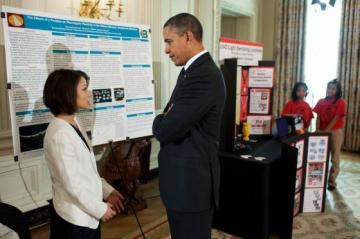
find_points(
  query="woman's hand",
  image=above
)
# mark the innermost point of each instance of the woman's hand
(109, 213)
(116, 199)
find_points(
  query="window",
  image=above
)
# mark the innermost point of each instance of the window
(321, 49)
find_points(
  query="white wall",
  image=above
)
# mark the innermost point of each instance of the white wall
(240, 19)
(253, 20)
(267, 15)
(239, 7)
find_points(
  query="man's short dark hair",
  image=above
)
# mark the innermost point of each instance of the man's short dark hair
(59, 93)
(184, 22)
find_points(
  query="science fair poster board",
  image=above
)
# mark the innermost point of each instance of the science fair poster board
(248, 53)
(316, 172)
(312, 170)
(116, 56)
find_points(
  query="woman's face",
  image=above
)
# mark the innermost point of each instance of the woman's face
(83, 95)
(331, 90)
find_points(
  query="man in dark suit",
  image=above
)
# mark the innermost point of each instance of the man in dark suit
(188, 132)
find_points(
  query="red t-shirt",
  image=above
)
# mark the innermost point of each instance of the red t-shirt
(299, 107)
(327, 109)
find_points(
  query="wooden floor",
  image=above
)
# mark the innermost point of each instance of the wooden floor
(121, 225)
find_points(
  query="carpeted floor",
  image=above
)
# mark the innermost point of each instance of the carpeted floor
(341, 219)
(159, 229)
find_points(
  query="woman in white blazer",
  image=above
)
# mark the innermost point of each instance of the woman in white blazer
(78, 190)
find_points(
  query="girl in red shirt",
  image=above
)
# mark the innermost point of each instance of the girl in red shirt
(297, 104)
(331, 113)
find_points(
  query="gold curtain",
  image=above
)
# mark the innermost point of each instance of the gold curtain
(290, 47)
(349, 71)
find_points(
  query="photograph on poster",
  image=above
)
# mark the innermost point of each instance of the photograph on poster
(119, 94)
(297, 203)
(298, 182)
(315, 176)
(313, 199)
(32, 136)
(259, 101)
(300, 157)
(261, 77)
(102, 95)
(317, 148)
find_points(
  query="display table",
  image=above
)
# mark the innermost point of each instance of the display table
(257, 197)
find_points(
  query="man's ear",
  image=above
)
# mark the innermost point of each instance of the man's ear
(189, 36)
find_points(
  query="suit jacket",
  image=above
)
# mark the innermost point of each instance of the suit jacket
(189, 171)
(78, 190)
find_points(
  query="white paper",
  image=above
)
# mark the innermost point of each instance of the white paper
(300, 157)
(315, 174)
(247, 53)
(259, 125)
(261, 77)
(313, 198)
(317, 148)
(298, 181)
(259, 101)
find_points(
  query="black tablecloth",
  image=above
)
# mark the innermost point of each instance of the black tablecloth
(257, 197)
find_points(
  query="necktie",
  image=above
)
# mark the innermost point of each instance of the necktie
(181, 75)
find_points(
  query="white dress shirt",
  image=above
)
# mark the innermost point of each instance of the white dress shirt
(78, 190)
(192, 59)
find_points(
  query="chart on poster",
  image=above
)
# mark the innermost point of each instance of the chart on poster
(116, 56)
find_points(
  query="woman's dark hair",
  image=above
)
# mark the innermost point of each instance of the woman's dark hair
(59, 93)
(295, 89)
(335, 82)
(184, 22)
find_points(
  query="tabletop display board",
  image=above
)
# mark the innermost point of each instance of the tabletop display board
(244, 103)
(312, 171)
(316, 173)
(259, 82)
(116, 56)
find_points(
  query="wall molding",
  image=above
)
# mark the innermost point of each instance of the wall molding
(5, 134)
(25, 184)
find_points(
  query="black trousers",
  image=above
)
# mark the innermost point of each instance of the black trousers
(14, 219)
(61, 229)
(190, 225)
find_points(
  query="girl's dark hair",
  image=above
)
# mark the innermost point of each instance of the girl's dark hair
(335, 82)
(59, 93)
(296, 87)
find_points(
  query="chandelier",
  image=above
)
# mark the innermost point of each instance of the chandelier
(97, 9)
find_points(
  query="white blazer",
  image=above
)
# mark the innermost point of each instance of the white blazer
(78, 190)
